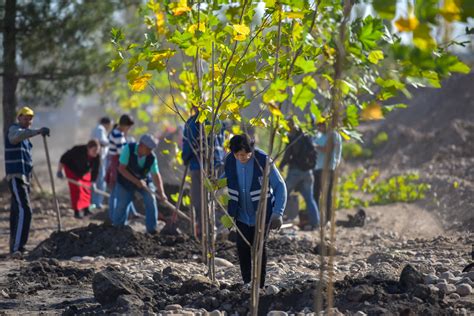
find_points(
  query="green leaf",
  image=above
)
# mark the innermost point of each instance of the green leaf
(460, 67)
(143, 116)
(389, 108)
(426, 10)
(305, 65)
(375, 56)
(385, 8)
(370, 32)
(302, 95)
(352, 117)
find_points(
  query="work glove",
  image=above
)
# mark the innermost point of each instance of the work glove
(44, 131)
(60, 174)
(227, 221)
(276, 221)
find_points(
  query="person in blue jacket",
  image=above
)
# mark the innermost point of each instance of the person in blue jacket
(18, 169)
(190, 155)
(244, 173)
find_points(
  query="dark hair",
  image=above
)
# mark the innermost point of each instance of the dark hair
(93, 143)
(105, 120)
(242, 141)
(126, 120)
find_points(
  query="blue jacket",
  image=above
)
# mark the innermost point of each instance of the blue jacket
(18, 159)
(244, 183)
(191, 145)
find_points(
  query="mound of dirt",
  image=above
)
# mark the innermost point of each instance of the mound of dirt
(109, 241)
(434, 136)
(45, 274)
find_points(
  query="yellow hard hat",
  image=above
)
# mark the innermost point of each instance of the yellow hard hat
(25, 111)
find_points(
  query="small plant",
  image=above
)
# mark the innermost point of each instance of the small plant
(380, 138)
(359, 190)
(354, 150)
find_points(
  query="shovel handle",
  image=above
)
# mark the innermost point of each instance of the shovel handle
(56, 204)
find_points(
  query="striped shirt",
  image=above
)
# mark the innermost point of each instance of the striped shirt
(117, 140)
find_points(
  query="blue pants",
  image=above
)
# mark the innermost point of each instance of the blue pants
(125, 197)
(97, 199)
(303, 181)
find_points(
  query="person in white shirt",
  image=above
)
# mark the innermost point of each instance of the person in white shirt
(100, 133)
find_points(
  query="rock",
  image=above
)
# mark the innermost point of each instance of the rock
(173, 307)
(220, 262)
(446, 288)
(109, 284)
(360, 313)
(454, 280)
(431, 279)
(360, 293)
(464, 289)
(277, 313)
(454, 296)
(421, 291)
(129, 303)
(409, 278)
(215, 313)
(197, 283)
(272, 290)
(379, 257)
(470, 275)
(446, 275)
(465, 281)
(76, 259)
(87, 259)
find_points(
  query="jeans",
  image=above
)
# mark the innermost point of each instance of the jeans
(97, 199)
(318, 188)
(302, 181)
(245, 253)
(125, 197)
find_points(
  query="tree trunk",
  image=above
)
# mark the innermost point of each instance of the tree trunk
(10, 79)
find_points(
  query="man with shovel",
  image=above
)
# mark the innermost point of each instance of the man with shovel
(18, 168)
(138, 172)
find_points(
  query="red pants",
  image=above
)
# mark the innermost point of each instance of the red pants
(80, 196)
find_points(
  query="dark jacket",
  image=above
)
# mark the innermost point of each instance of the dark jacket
(300, 153)
(191, 144)
(79, 162)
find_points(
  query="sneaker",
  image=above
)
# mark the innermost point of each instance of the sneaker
(79, 214)
(17, 255)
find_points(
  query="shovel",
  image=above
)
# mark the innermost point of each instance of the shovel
(56, 204)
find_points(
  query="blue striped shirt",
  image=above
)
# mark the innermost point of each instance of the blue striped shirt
(117, 140)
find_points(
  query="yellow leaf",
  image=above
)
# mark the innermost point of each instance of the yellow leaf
(422, 38)
(375, 56)
(407, 24)
(344, 135)
(451, 10)
(160, 22)
(275, 110)
(294, 15)
(240, 37)
(157, 56)
(372, 111)
(233, 107)
(193, 27)
(181, 7)
(241, 31)
(139, 83)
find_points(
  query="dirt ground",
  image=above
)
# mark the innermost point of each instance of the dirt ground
(407, 259)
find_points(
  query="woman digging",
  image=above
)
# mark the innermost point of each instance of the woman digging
(81, 164)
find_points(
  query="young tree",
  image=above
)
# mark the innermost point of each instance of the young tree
(281, 56)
